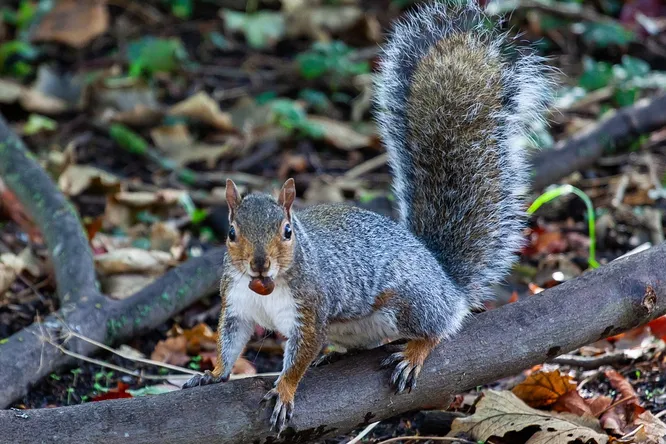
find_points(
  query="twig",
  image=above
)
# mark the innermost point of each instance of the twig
(366, 166)
(427, 438)
(132, 358)
(364, 432)
(616, 403)
(591, 362)
(134, 373)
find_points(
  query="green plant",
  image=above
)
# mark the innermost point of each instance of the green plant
(334, 58)
(563, 191)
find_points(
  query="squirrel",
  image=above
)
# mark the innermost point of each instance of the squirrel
(454, 97)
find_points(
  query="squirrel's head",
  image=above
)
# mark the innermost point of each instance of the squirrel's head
(261, 242)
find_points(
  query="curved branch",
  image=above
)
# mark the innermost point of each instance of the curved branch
(338, 397)
(54, 215)
(26, 358)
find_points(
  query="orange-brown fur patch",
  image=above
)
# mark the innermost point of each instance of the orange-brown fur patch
(219, 365)
(417, 350)
(240, 251)
(383, 299)
(308, 348)
(280, 251)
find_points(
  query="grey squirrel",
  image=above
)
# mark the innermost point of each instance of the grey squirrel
(453, 98)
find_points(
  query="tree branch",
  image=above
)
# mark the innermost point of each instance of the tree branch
(54, 215)
(336, 398)
(584, 148)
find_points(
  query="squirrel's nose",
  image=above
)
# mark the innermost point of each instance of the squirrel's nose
(259, 264)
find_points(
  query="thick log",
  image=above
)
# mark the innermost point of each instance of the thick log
(338, 397)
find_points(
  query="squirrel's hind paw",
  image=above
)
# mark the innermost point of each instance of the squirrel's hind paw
(409, 363)
(405, 372)
(206, 379)
(282, 411)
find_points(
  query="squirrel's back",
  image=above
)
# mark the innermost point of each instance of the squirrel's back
(454, 98)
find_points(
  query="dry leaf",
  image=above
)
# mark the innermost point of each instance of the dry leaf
(122, 286)
(341, 135)
(544, 388)
(30, 99)
(175, 141)
(143, 199)
(10, 91)
(654, 429)
(38, 102)
(74, 22)
(203, 108)
(498, 413)
(171, 351)
(622, 386)
(132, 260)
(78, 178)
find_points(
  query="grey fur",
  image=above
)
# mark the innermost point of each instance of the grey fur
(464, 208)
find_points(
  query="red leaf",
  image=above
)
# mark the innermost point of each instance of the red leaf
(658, 327)
(116, 393)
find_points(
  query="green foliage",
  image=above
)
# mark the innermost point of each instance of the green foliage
(316, 99)
(180, 8)
(330, 58)
(563, 191)
(22, 17)
(595, 74)
(128, 139)
(607, 34)
(261, 29)
(150, 55)
(16, 58)
(291, 115)
(37, 123)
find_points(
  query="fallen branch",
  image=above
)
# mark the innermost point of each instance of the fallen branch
(27, 356)
(353, 392)
(56, 218)
(584, 148)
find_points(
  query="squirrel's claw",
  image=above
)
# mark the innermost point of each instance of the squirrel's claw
(282, 411)
(405, 373)
(206, 379)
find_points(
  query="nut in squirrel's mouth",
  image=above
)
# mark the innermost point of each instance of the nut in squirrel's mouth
(263, 285)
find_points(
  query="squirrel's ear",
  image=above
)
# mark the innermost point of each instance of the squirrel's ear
(233, 198)
(287, 196)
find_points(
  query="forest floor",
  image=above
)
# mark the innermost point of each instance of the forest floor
(140, 111)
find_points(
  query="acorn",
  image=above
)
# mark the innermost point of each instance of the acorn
(262, 285)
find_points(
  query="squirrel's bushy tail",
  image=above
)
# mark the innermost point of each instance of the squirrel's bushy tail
(454, 98)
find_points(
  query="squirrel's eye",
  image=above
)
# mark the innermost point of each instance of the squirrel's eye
(232, 234)
(287, 231)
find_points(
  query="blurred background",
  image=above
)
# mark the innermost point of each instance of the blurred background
(140, 110)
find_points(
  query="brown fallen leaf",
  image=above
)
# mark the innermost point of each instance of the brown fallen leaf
(498, 413)
(340, 134)
(653, 431)
(73, 22)
(178, 145)
(544, 389)
(623, 387)
(79, 178)
(203, 108)
(132, 260)
(171, 351)
(10, 205)
(122, 286)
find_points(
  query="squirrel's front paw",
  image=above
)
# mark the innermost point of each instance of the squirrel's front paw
(206, 379)
(282, 411)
